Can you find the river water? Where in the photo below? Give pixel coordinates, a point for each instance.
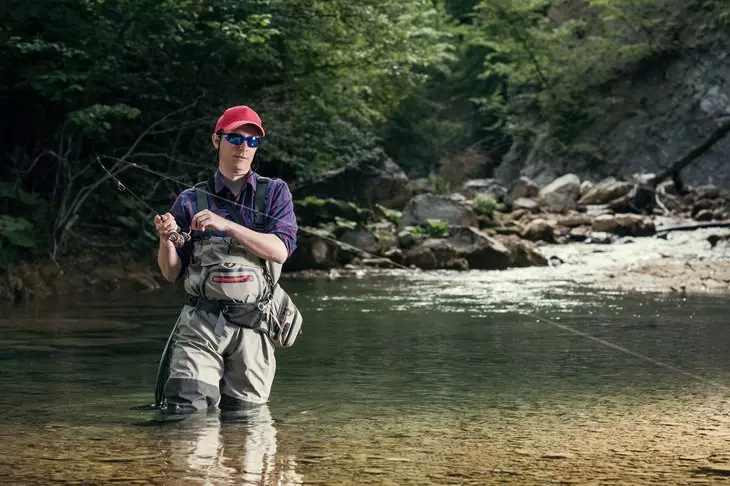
(412, 378)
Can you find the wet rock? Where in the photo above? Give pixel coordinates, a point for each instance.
(373, 180)
(701, 205)
(557, 455)
(600, 238)
(523, 188)
(481, 251)
(704, 215)
(606, 191)
(394, 254)
(578, 234)
(430, 254)
(715, 239)
(424, 207)
(539, 230)
(561, 194)
(522, 253)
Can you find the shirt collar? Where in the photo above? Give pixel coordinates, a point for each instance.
(219, 185)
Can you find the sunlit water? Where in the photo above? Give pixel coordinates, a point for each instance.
(440, 378)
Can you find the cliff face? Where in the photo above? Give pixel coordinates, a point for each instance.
(669, 106)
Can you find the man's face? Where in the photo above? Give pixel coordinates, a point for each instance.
(236, 158)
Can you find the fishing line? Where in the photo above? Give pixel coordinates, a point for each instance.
(539, 318)
(237, 204)
(624, 350)
(177, 238)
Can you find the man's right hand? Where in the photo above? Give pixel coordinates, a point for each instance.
(166, 225)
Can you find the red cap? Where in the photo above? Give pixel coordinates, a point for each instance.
(236, 116)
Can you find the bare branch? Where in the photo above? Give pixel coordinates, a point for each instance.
(150, 128)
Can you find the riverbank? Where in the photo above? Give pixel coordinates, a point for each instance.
(681, 262)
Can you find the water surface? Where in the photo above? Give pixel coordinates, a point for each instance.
(423, 378)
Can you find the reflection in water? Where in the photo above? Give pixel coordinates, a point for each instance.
(236, 447)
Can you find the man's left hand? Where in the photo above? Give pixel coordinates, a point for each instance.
(207, 219)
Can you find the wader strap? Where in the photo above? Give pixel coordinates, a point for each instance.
(202, 204)
(221, 308)
(258, 205)
(202, 196)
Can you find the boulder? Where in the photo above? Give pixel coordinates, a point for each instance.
(465, 248)
(605, 191)
(573, 220)
(561, 194)
(481, 251)
(522, 253)
(704, 215)
(539, 230)
(419, 186)
(624, 225)
(312, 211)
(585, 186)
(485, 187)
(431, 206)
(523, 187)
(708, 191)
(362, 239)
(315, 250)
(373, 180)
(525, 203)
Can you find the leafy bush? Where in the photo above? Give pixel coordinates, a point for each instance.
(432, 228)
(485, 205)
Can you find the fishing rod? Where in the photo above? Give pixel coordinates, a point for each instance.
(181, 238)
(544, 320)
(177, 238)
(237, 204)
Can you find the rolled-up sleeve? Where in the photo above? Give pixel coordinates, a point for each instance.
(282, 222)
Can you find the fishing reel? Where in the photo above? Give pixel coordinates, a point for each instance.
(179, 238)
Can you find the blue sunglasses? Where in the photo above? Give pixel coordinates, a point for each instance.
(237, 139)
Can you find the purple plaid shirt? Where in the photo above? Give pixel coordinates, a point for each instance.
(278, 207)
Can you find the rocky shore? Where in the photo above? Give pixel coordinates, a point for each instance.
(607, 233)
(372, 218)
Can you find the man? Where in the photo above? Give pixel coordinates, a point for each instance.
(219, 353)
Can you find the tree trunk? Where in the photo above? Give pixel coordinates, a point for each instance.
(700, 149)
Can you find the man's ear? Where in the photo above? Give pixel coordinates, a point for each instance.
(216, 139)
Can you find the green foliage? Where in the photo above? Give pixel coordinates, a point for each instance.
(98, 119)
(17, 231)
(485, 205)
(432, 228)
(312, 211)
(392, 215)
(552, 69)
(438, 184)
(21, 224)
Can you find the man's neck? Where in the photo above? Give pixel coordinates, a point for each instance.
(234, 182)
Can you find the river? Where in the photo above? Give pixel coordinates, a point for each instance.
(406, 378)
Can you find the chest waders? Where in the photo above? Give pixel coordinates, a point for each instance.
(227, 284)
